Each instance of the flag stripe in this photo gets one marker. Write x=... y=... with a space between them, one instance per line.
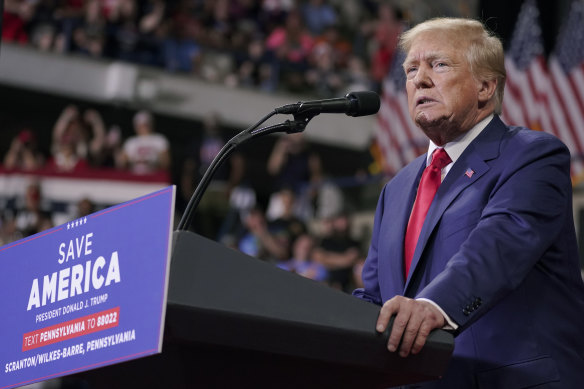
x=400 y=121
x=563 y=93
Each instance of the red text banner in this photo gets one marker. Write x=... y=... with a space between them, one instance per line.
x=71 y=329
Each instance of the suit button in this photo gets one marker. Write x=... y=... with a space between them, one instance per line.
x=465 y=312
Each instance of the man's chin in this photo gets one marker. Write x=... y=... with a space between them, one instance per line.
x=425 y=121
x=435 y=128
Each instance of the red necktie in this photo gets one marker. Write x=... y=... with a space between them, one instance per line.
x=429 y=183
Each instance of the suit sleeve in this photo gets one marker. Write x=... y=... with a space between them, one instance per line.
x=371 y=292
x=526 y=209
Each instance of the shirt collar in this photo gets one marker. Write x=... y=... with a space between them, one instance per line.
x=457 y=146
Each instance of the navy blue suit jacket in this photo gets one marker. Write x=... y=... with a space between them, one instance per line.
x=498 y=253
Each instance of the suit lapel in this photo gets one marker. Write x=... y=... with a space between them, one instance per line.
x=466 y=170
x=400 y=209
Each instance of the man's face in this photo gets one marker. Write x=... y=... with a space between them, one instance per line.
x=442 y=92
x=142 y=129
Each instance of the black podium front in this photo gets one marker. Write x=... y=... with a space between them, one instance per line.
x=234 y=321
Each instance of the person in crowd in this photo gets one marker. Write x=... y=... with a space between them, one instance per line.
x=132 y=31
x=273 y=13
x=257 y=241
x=288 y=163
x=16 y=19
x=219 y=26
x=73 y=210
x=285 y=220
x=215 y=204
x=381 y=35
x=8 y=231
x=23 y=153
x=271 y=240
x=477 y=235
x=254 y=67
x=291 y=45
x=181 y=49
x=318 y=15
x=45 y=28
x=355 y=76
x=110 y=154
x=67 y=16
x=33 y=215
x=77 y=139
x=147 y=151
x=320 y=198
x=242 y=200
x=337 y=251
x=301 y=261
x=324 y=74
x=329 y=61
x=45 y=38
x=89 y=33
x=84 y=207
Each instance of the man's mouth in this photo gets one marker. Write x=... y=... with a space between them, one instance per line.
x=424 y=100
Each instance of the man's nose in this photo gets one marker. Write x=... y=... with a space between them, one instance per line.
x=423 y=78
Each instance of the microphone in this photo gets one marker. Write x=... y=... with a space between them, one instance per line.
x=353 y=104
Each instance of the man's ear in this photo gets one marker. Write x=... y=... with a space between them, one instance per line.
x=486 y=90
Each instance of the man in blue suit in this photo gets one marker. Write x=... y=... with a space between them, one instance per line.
x=493 y=256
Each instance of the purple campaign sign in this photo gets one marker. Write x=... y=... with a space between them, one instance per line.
x=86 y=294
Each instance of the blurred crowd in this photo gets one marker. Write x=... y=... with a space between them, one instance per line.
x=79 y=143
x=324 y=47
x=302 y=224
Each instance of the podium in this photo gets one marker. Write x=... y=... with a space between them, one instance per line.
x=234 y=321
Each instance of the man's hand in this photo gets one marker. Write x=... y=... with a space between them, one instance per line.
x=415 y=319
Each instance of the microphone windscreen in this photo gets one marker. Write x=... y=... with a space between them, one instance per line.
x=364 y=103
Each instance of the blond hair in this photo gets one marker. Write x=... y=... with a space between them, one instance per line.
x=484 y=53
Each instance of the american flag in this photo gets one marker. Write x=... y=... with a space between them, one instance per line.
x=525 y=101
x=549 y=100
x=566 y=65
x=532 y=94
x=396 y=134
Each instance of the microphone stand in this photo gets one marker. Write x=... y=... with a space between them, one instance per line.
x=289 y=126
